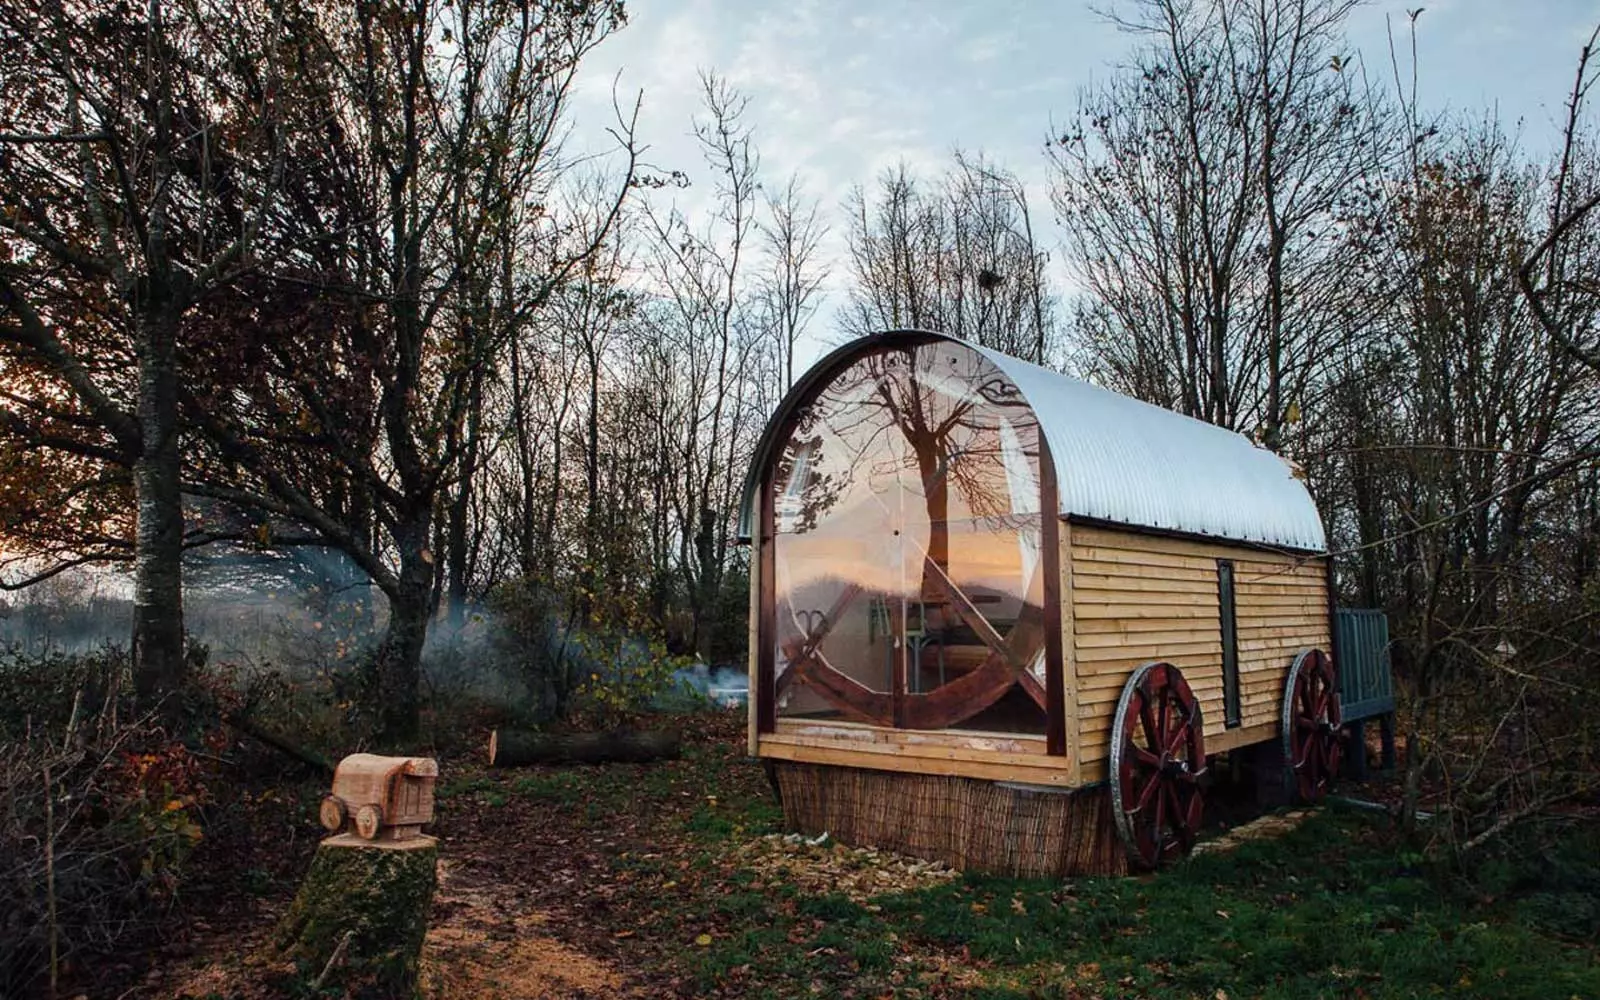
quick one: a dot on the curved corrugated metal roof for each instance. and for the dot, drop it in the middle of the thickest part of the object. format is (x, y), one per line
(1121, 460)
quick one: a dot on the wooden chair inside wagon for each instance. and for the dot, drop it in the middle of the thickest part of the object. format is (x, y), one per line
(1001, 617)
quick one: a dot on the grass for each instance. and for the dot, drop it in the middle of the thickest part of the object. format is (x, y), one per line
(1324, 911)
(1334, 908)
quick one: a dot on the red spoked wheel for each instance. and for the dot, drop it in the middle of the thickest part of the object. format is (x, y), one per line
(1313, 734)
(1157, 758)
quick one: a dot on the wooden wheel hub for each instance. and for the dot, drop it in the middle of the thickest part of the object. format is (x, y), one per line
(1157, 759)
(1313, 733)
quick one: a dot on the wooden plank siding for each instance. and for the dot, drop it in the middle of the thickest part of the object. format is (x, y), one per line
(1141, 597)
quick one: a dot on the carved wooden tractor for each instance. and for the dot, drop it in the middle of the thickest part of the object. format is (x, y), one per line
(381, 798)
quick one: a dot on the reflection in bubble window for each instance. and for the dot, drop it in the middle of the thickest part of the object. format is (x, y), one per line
(907, 561)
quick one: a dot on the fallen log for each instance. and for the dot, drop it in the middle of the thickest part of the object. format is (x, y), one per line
(248, 726)
(515, 748)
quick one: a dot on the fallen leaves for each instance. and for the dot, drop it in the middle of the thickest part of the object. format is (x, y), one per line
(1270, 825)
(820, 866)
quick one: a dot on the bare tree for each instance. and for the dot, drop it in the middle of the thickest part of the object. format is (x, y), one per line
(1460, 448)
(1564, 298)
(143, 150)
(793, 234)
(704, 339)
(960, 258)
(1204, 191)
(427, 156)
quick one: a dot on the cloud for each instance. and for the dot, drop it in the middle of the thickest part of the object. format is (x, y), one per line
(840, 91)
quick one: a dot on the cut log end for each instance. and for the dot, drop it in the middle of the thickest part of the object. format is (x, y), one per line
(417, 842)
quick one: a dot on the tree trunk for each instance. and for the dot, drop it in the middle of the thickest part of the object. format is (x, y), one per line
(158, 662)
(513, 748)
(358, 922)
(399, 656)
(709, 582)
(460, 556)
(456, 557)
(933, 469)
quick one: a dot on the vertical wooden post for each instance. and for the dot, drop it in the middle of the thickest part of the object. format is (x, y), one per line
(1355, 758)
(1333, 621)
(899, 663)
(1072, 724)
(753, 645)
(1056, 742)
(764, 692)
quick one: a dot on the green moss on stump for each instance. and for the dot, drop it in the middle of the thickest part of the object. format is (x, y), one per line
(377, 892)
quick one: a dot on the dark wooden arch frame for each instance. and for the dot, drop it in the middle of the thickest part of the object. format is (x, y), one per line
(899, 708)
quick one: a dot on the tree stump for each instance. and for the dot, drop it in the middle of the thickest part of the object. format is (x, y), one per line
(371, 899)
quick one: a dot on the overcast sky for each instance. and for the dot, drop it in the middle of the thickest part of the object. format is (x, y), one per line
(841, 90)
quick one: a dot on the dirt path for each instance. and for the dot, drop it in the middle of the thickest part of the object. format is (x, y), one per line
(486, 942)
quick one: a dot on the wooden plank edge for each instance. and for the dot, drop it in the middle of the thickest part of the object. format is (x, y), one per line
(1004, 768)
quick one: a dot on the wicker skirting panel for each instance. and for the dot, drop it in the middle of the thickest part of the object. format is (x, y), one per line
(967, 823)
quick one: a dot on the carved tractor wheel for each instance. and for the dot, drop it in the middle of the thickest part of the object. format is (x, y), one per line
(369, 820)
(1313, 737)
(333, 814)
(1157, 758)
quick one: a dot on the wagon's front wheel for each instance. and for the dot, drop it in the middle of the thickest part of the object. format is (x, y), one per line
(1313, 737)
(1157, 759)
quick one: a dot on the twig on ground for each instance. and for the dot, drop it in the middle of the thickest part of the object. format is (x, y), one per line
(333, 960)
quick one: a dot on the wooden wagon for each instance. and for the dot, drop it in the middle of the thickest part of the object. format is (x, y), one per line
(1003, 617)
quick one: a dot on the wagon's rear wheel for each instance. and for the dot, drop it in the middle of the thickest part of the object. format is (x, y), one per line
(1157, 758)
(1313, 737)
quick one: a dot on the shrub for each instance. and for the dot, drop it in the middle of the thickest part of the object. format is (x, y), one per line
(626, 674)
(527, 645)
(567, 667)
(42, 690)
(101, 801)
(109, 823)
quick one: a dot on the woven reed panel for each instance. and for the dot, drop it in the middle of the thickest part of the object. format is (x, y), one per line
(970, 824)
